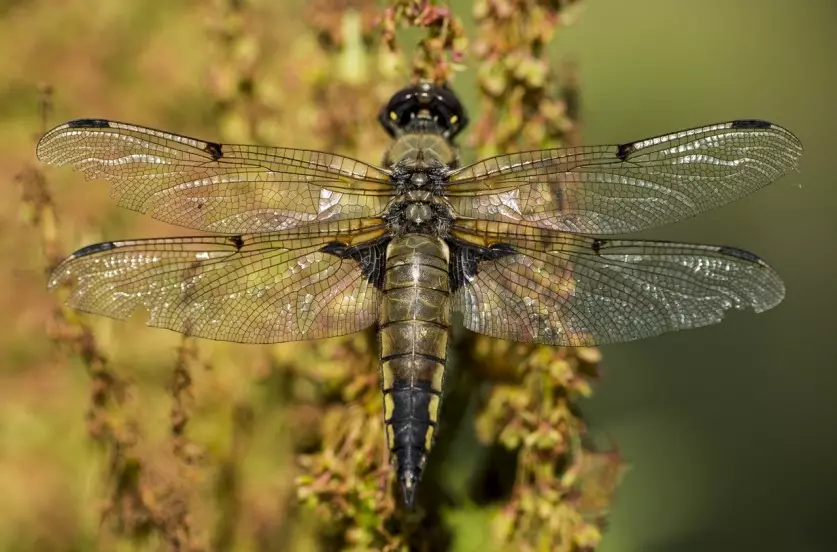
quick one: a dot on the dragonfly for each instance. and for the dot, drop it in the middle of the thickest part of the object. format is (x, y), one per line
(304, 244)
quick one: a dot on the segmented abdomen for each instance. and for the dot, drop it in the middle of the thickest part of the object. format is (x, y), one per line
(413, 328)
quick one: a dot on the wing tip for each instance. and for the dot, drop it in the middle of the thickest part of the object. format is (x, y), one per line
(87, 123)
(40, 149)
(59, 275)
(769, 280)
(761, 124)
(751, 123)
(777, 286)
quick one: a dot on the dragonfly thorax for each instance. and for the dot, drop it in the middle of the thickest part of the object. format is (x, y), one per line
(418, 179)
(418, 211)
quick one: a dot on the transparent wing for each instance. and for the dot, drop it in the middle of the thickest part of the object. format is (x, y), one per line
(263, 288)
(217, 187)
(628, 187)
(565, 289)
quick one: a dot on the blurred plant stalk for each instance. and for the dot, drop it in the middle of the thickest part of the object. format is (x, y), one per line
(563, 486)
(138, 502)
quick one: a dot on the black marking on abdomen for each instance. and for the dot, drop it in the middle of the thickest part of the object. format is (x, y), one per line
(751, 123)
(413, 286)
(465, 259)
(95, 248)
(411, 403)
(371, 257)
(411, 354)
(429, 322)
(89, 123)
(404, 384)
(391, 265)
(412, 430)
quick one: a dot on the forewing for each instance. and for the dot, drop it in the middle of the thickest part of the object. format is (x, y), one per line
(263, 288)
(216, 187)
(565, 289)
(627, 187)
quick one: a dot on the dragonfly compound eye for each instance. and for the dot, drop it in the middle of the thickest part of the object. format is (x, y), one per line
(425, 106)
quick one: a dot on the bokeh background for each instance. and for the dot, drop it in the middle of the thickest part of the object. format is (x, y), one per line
(730, 431)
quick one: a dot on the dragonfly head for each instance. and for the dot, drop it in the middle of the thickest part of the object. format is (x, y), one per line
(424, 107)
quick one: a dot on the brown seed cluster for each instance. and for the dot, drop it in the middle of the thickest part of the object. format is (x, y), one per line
(335, 486)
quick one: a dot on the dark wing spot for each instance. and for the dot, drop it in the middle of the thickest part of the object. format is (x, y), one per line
(624, 150)
(338, 249)
(95, 248)
(465, 259)
(500, 250)
(751, 123)
(598, 244)
(370, 256)
(739, 253)
(214, 149)
(237, 241)
(89, 123)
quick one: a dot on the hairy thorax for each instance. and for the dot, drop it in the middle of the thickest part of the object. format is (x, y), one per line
(419, 163)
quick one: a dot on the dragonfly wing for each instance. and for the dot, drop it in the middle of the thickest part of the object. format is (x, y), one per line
(262, 288)
(532, 285)
(626, 187)
(224, 188)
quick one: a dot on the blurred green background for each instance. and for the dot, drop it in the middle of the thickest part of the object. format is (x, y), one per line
(731, 431)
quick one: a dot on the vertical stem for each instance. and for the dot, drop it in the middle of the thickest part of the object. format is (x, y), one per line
(126, 512)
(535, 415)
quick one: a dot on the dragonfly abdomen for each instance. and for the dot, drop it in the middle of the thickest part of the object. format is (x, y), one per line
(413, 327)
